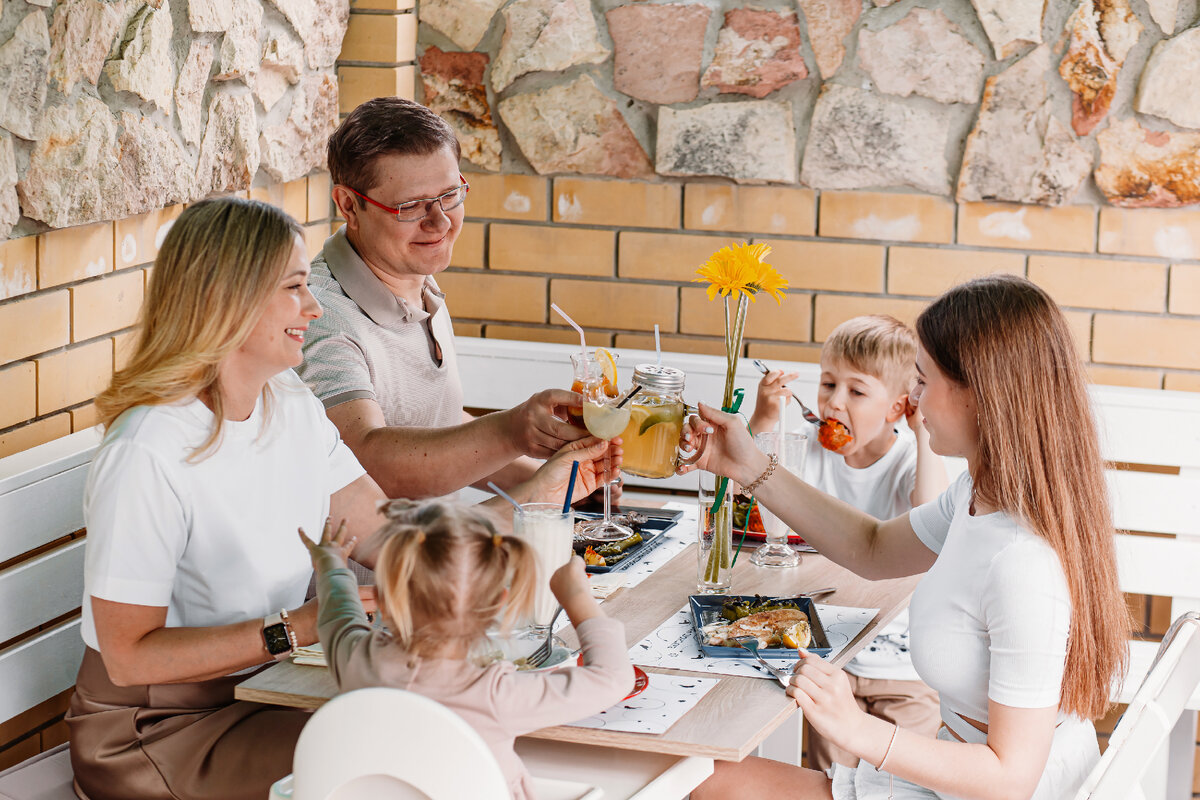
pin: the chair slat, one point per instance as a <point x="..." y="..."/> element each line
<point x="42" y="589"/>
<point x="39" y="668"/>
<point x="1155" y="503"/>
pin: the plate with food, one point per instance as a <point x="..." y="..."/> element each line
<point x="648" y="525"/>
<point x="747" y="520"/>
<point x="783" y="625"/>
<point x="640" y="680"/>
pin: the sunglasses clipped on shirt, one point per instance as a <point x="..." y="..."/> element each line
<point x="417" y="210"/>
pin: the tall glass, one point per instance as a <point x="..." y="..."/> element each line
<point x="588" y="377"/>
<point x="791" y="451"/>
<point x="549" y="533"/>
<point x="651" y="440"/>
<point x="605" y="420"/>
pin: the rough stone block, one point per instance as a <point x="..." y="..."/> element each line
<point x="320" y="24"/>
<point x="454" y="89"/>
<point x="1017" y="151"/>
<point x="925" y="54"/>
<point x="546" y="36"/>
<point x="463" y="21"/>
<point x="574" y="127"/>
<point x="1101" y="34"/>
<point x="1010" y="24"/>
<point x="1165" y="14"/>
<point x="1170" y="82"/>
<point x="860" y="140"/>
<point x="24" y="65"/>
<point x="153" y="170"/>
<point x="757" y="52"/>
<point x="80" y="38"/>
<point x="144" y="64"/>
<point x="241" y="51"/>
<point x="210" y="16"/>
<point x="293" y="149"/>
<point x="10" y="206"/>
<point x="189" y="89"/>
<point x="751" y="141"/>
<point x="749" y="209"/>
<point x="658" y="50"/>
<point x="229" y="152"/>
<point x="1144" y="168"/>
<point x="829" y="23"/>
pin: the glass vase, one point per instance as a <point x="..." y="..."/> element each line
<point x="715" y="539"/>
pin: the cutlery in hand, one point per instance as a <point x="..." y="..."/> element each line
<point x="542" y="654"/>
<point x="751" y="643"/>
<point x="809" y="416"/>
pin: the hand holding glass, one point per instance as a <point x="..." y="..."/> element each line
<point x="605" y="420"/>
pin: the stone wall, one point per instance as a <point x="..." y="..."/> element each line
<point x="886" y="149"/>
<point x="113" y="116"/>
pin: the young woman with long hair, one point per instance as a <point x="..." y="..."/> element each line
<point x="214" y="454"/>
<point x="1019" y="623"/>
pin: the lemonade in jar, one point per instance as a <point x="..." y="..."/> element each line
<point x="651" y="438"/>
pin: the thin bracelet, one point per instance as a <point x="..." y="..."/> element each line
<point x="291" y="634"/>
<point x="888" y="752"/>
<point x="761" y="479"/>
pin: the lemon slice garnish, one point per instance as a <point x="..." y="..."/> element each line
<point x="608" y="370"/>
<point x="654" y="418"/>
<point x="797" y="637"/>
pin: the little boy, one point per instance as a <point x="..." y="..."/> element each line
<point x="868" y="366"/>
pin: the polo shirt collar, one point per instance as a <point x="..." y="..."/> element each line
<point x="368" y="292"/>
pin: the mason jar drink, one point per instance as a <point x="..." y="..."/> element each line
<point x="651" y="439"/>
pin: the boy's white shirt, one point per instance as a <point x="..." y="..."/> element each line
<point x="883" y="490"/>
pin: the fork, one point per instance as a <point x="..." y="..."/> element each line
<point x="750" y="643"/>
<point x="542" y="654"/>
<point x="808" y="415"/>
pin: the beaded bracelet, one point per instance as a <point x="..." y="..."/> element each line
<point x="287" y="626"/>
<point x="761" y="479"/>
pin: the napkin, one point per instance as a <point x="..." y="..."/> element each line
<point x="311" y="656"/>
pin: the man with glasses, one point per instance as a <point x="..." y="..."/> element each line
<point x="382" y="357"/>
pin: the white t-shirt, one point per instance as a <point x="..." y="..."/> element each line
<point x="213" y="541"/>
<point x="883" y="490"/>
<point x="990" y="620"/>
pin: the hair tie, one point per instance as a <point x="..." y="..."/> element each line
<point x="497" y="540"/>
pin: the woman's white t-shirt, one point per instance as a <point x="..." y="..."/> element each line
<point x="214" y="541"/>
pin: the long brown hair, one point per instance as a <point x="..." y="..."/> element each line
<point x="216" y="268"/>
<point x="1006" y="341"/>
<point x="443" y="571"/>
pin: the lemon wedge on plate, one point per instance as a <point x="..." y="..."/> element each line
<point x="608" y="371"/>
<point x="797" y="637"/>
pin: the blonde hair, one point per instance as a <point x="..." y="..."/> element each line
<point x="216" y="269"/>
<point x="442" y="573"/>
<point x="878" y="345"/>
<point x="1006" y="341"/>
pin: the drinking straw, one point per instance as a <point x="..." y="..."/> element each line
<point x="629" y="396"/>
<point x="781" y="450"/>
<point x="657" y="346"/>
<point x="506" y="496"/>
<point x="571" y="487"/>
<point x="582" y="340"/>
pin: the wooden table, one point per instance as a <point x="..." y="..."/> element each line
<point x="731" y="720"/>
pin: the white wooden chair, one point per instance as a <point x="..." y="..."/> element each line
<point x="389" y="744"/>
<point x="1170" y="686"/>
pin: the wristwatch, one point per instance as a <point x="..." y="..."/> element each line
<point x="277" y="634"/>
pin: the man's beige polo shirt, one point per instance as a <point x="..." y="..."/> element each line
<point x="370" y="344"/>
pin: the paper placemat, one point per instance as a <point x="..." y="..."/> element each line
<point x="673" y="644"/>
<point x="673" y="541"/>
<point x="654" y="711"/>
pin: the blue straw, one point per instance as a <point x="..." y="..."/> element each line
<point x="505" y="495"/>
<point x="571" y="487"/>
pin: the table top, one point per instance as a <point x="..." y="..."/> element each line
<point x="731" y="720"/>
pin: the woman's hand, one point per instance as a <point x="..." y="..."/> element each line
<point x="549" y="483"/>
<point x="724" y="444"/>
<point x="824" y="695"/>
<point x="333" y="549"/>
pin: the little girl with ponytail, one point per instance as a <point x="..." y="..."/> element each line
<point x="444" y="575"/>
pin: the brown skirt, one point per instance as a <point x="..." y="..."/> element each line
<point x="186" y="741"/>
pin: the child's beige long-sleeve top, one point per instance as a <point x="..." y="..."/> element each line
<point x="497" y="701"/>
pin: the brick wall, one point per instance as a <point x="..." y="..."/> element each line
<point x="619" y="256"/>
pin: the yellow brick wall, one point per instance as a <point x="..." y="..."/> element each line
<point x="69" y="298"/>
<point x="619" y="256"/>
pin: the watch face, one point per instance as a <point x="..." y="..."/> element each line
<point x="276" y="638"/>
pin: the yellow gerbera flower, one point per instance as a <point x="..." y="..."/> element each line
<point x="738" y="269"/>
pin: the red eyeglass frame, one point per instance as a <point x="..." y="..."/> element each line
<point x="395" y="211"/>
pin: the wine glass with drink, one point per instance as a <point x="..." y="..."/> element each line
<point x="605" y="418"/>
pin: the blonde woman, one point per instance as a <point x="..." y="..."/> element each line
<point x="214" y="454"/>
<point x="1018" y="623"/>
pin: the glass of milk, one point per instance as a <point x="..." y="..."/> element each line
<point x="549" y="533"/>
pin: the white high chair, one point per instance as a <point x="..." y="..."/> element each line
<point x="389" y="744"/>
<point x="1137" y="741"/>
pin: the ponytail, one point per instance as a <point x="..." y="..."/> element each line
<point x="400" y="553"/>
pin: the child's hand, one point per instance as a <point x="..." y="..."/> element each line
<point x="570" y="579"/>
<point x="331" y="552"/>
<point x="766" y="407"/>
<point x="912" y="415"/>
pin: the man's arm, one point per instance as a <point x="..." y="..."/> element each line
<point x="428" y="462"/>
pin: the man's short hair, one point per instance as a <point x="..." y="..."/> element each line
<point x="878" y="345"/>
<point x="381" y="127"/>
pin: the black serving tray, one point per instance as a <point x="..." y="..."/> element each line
<point x="706" y="608"/>
<point x="658" y="521"/>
